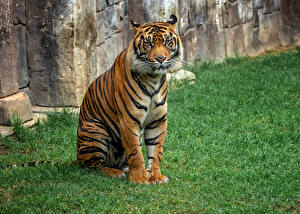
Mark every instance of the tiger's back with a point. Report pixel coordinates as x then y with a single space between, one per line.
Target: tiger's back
125 101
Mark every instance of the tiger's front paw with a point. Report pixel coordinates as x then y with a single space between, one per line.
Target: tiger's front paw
159 179
156 177
139 176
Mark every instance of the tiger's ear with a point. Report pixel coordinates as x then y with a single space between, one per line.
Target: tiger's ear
173 20
135 25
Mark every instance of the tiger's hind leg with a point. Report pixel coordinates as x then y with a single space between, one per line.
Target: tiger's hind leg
94 150
112 172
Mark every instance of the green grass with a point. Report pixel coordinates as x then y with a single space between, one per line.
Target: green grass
232 147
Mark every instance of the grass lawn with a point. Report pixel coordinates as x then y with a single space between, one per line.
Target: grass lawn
232 147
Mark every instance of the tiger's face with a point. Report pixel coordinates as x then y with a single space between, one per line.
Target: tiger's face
157 47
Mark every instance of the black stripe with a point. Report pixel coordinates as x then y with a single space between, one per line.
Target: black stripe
133 153
162 119
100 125
131 131
92 139
141 85
105 113
117 106
139 46
82 114
148 143
152 141
107 102
128 112
130 85
162 102
86 130
149 84
137 104
147 29
165 91
175 41
92 149
88 105
103 121
161 84
93 160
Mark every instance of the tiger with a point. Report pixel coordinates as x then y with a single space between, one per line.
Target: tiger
128 103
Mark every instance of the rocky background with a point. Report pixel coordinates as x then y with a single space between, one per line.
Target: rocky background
50 51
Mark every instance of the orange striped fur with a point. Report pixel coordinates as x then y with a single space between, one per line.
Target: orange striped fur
129 103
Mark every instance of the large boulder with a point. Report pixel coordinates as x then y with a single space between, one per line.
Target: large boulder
17 105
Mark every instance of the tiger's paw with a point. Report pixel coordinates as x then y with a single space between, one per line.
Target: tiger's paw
113 173
138 177
160 179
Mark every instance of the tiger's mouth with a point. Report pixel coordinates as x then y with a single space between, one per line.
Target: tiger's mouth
160 67
157 65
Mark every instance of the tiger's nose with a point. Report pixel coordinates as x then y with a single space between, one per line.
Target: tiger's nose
161 59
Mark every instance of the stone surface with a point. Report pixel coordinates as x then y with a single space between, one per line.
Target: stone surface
85 52
150 10
112 34
268 32
234 42
15 105
268 6
258 3
61 40
8 130
232 16
8 73
100 5
18 8
107 53
291 14
21 55
43 18
245 10
110 21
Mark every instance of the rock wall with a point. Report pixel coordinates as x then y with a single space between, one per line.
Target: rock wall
52 50
13 64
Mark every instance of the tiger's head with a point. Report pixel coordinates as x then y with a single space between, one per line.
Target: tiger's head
156 47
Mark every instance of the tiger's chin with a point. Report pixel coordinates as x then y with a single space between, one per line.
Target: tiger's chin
160 70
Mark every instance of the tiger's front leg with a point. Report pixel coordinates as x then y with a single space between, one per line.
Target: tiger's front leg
155 134
131 144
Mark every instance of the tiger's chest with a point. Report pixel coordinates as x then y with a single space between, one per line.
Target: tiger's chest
155 99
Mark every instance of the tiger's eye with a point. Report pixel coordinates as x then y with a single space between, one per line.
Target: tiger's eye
168 42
